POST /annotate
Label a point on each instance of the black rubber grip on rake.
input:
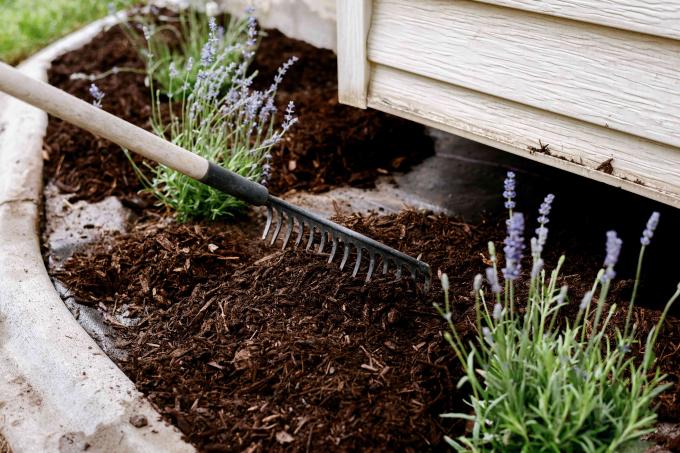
(234, 184)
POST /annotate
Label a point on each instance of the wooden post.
(354, 21)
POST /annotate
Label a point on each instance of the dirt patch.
(331, 145)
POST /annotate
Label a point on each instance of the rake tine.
(289, 230)
(333, 249)
(345, 255)
(311, 237)
(277, 230)
(269, 222)
(323, 240)
(301, 232)
(330, 231)
(358, 263)
(371, 265)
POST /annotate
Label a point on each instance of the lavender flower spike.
(651, 226)
(514, 245)
(613, 251)
(497, 312)
(509, 190)
(537, 268)
(492, 278)
(587, 297)
(97, 94)
(544, 209)
(538, 243)
(477, 283)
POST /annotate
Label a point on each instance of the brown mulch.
(246, 347)
(229, 350)
(89, 167)
(331, 145)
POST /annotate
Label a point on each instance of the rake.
(279, 212)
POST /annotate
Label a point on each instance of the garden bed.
(245, 347)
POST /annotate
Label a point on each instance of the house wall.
(593, 79)
(312, 21)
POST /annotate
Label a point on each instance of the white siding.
(596, 81)
(654, 17)
(616, 79)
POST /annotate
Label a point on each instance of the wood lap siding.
(574, 145)
(621, 80)
(596, 79)
(653, 17)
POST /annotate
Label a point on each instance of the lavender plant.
(541, 382)
(170, 45)
(219, 117)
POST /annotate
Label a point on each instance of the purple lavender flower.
(537, 268)
(97, 94)
(538, 243)
(147, 32)
(587, 297)
(544, 209)
(492, 278)
(278, 78)
(613, 250)
(486, 332)
(509, 190)
(514, 245)
(477, 283)
(563, 294)
(190, 64)
(651, 226)
(207, 54)
(497, 312)
(209, 49)
(289, 119)
(172, 70)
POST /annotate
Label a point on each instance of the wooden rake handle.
(103, 124)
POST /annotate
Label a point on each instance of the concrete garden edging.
(58, 390)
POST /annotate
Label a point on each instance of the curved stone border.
(58, 390)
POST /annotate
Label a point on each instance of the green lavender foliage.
(202, 101)
(541, 383)
(166, 41)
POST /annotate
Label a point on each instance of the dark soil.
(331, 145)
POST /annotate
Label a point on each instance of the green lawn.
(28, 25)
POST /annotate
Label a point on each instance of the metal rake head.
(326, 231)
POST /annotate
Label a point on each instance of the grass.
(29, 25)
